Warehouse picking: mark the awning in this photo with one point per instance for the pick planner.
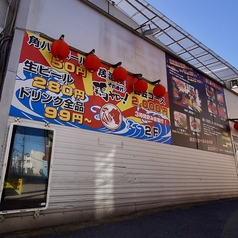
(175, 39)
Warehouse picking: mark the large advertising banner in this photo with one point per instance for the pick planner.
(198, 110)
(65, 93)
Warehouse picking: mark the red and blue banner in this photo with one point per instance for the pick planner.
(65, 93)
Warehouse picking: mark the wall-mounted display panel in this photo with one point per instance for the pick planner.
(26, 169)
(198, 109)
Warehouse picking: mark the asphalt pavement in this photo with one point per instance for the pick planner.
(217, 219)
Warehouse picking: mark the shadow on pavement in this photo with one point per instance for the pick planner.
(218, 219)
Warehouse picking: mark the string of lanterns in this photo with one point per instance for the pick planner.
(236, 126)
(119, 74)
(159, 90)
(92, 62)
(60, 50)
(140, 86)
(235, 121)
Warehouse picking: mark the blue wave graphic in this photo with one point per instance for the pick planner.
(26, 104)
(132, 129)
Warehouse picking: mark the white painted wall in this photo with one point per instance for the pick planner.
(85, 29)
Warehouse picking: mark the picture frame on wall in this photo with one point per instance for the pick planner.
(26, 170)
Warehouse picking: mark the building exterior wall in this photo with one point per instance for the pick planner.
(113, 43)
(97, 175)
(3, 7)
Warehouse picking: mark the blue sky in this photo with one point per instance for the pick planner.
(212, 22)
(32, 138)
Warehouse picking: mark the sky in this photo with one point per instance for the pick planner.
(212, 22)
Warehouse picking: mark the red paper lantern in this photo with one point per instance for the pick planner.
(92, 63)
(236, 126)
(119, 74)
(159, 90)
(140, 86)
(60, 49)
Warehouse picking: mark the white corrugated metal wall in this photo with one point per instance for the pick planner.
(97, 175)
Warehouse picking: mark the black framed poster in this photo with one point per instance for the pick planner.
(197, 109)
(27, 169)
